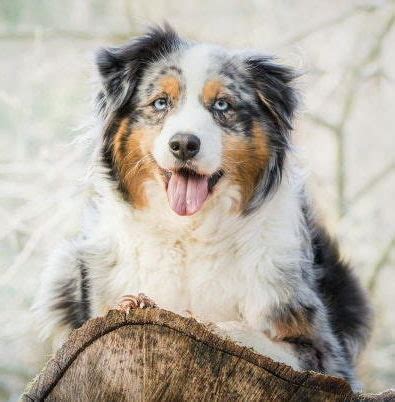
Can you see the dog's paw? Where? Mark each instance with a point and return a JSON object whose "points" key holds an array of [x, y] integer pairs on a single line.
{"points": [[130, 302]]}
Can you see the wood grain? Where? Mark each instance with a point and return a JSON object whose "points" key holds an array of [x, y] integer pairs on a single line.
{"points": [[153, 354]]}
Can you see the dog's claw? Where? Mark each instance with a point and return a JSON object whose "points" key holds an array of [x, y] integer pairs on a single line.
{"points": [[130, 302]]}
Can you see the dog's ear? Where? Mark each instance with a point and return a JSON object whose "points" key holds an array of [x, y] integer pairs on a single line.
{"points": [[277, 100], [274, 87], [121, 68]]}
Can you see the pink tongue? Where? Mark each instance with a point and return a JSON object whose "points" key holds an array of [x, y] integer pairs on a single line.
{"points": [[186, 195]]}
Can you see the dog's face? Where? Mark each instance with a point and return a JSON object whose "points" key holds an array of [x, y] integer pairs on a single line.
{"points": [[191, 116]]}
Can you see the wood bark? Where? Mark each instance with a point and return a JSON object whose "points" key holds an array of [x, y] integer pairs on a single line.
{"points": [[153, 354]]}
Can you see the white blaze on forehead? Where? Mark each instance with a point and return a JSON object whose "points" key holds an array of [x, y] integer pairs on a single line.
{"points": [[197, 65]]}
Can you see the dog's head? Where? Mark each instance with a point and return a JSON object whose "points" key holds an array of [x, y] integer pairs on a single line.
{"points": [[193, 116]]}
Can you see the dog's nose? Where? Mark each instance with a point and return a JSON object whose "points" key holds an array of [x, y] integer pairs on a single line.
{"points": [[184, 146]]}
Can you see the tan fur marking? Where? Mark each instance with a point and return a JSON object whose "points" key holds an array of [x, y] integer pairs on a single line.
{"points": [[171, 86], [244, 160], [291, 324], [119, 137], [135, 164], [211, 90]]}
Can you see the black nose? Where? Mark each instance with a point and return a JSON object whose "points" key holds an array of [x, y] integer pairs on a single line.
{"points": [[184, 146]]}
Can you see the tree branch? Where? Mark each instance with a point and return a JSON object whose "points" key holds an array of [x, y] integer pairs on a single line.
{"points": [[381, 263], [372, 183], [321, 122], [328, 24], [62, 34], [338, 128], [129, 13]]}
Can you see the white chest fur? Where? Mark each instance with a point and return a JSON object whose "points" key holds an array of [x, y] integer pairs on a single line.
{"points": [[217, 265]]}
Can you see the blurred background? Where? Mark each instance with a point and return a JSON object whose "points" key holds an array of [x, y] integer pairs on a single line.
{"points": [[345, 130]]}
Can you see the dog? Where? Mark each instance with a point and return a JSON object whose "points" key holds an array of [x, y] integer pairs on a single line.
{"points": [[198, 202]]}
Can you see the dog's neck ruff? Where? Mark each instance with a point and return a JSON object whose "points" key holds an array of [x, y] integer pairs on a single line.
{"points": [[211, 248]]}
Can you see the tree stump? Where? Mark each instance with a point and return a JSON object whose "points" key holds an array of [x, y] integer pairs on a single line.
{"points": [[153, 354]]}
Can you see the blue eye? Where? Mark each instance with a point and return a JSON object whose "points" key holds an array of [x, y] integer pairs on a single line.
{"points": [[160, 104], [221, 105]]}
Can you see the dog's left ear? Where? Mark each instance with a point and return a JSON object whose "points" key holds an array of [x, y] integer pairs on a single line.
{"points": [[277, 99], [274, 88]]}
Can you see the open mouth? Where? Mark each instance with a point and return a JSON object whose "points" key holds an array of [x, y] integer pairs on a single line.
{"points": [[187, 190]]}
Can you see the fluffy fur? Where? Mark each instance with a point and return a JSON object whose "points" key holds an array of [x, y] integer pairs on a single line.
{"points": [[251, 258]]}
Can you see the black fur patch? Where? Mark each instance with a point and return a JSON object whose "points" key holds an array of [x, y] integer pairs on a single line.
{"points": [[277, 102], [73, 299], [107, 147], [349, 310], [309, 355], [85, 301]]}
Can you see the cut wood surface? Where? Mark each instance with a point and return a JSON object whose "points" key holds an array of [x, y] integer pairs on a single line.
{"points": [[153, 354]]}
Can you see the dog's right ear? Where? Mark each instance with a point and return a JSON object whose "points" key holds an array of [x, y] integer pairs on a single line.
{"points": [[121, 68], [117, 85]]}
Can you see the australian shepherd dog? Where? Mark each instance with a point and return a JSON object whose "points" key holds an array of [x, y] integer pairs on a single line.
{"points": [[197, 204]]}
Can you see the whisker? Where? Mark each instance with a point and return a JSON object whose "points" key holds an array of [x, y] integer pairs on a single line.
{"points": [[137, 165]]}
